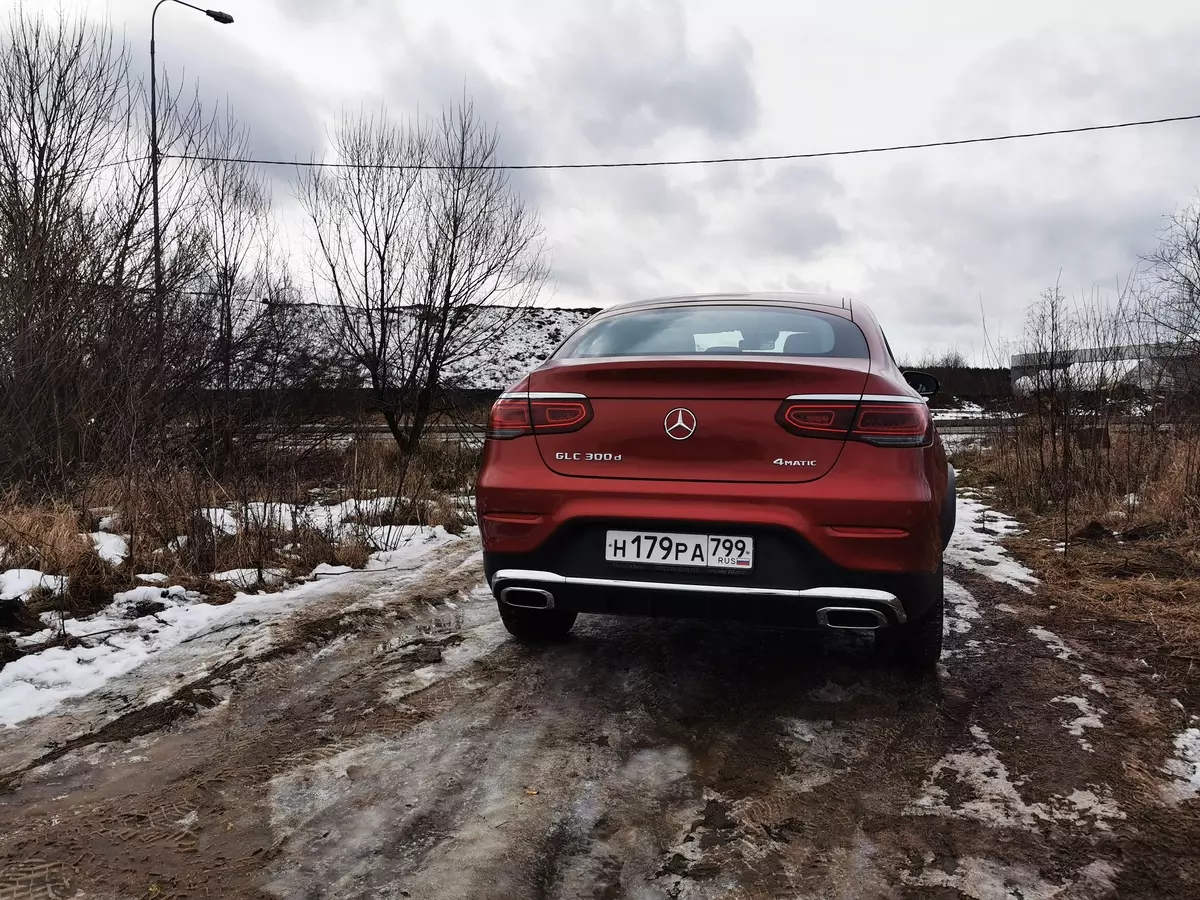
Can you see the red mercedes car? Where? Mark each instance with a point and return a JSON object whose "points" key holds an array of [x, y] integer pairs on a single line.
{"points": [[757, 457]]}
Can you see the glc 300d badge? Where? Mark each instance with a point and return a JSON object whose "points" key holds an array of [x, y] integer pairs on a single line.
{"points": [[680, 424]]}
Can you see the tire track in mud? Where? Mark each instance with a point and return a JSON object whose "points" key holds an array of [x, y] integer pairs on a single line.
{"points": [[657, 759], [429, 757]]}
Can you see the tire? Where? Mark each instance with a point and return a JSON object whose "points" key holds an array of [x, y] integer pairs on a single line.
{"points": [[916, 646], [536, 626]]}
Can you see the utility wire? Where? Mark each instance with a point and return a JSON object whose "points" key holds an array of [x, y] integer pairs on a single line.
{"points": [[646, 164]]}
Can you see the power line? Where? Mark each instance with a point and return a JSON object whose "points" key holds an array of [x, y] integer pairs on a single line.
{"points": [[646, 164], [85, 170]]}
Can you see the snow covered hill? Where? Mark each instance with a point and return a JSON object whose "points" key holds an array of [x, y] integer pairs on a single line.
{"points": [[530, 340]]}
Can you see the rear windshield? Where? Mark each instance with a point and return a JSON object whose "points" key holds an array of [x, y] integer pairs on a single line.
{"points": [[722, 330]]}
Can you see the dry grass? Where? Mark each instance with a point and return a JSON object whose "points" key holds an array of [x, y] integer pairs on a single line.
{"points": [[1131, 529], [50, 539], [160, 511], [45, 538], [1150, 583], [1032, 475]]}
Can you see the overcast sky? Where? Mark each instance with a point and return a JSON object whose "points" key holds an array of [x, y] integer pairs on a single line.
{"points": [[933, 239]]}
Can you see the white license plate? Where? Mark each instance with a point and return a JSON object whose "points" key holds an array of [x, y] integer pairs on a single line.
{"points": [[720, 551]]}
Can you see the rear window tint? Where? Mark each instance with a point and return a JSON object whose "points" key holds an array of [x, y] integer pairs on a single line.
{"points": [[719, 330]]}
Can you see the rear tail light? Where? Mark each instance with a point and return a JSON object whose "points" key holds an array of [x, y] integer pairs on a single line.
{"points": [[520, 414], [894, 424], [821, 420], [901, 424]]}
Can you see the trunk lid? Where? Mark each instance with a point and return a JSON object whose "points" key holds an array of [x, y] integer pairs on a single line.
{"points": [[693, 419]]}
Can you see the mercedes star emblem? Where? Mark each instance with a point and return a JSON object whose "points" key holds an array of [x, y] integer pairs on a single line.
{"points": [[680, 424]]}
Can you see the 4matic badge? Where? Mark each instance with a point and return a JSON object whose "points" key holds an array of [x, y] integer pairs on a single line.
{"points": [[804, 463]]}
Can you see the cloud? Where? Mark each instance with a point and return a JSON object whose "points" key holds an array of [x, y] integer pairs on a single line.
{"points": [[436, 72], [630, 75], [788, 214], [314, 11], [950, 238]]}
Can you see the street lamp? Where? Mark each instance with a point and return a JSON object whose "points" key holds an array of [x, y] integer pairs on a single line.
{"points": [[216, 15]]}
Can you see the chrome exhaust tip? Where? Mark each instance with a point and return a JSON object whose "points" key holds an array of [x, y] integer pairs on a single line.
{"points": [[851, 618], [527, 598]]}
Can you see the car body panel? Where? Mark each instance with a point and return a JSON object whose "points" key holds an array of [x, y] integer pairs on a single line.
{"points": [[860, 515]]}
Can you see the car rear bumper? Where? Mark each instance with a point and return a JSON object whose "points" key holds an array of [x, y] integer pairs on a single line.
{"points": [[858, 600]]}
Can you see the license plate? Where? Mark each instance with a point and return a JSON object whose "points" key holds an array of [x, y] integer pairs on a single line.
{"points": [[721, 551]]}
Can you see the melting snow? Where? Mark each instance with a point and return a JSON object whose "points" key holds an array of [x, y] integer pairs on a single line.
{"points": [[113, 645], [118, 639], [16, 584], [1053, 641], [976, 545], [1092, 683], [962, 611], [988, 879], [1087, 718], [112, 548], [1184, 768], [997, 802]]}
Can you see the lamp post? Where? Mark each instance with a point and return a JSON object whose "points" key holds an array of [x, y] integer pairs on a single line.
{"points": [[217, 16]]}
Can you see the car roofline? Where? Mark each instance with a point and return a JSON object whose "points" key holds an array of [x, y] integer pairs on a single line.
{"points": [[831, 302]]}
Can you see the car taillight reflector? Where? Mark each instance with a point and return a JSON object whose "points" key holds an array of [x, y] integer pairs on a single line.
{"points": [[819, 420], [893, 424], [560, 415], [509, 418], [516, 415], [898, 424]]}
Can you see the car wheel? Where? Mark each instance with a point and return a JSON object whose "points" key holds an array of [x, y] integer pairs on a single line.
{"points": [[536, 626], [916, 646]]}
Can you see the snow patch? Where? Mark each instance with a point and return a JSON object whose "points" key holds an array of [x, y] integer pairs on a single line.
{"points": [[1184, 768], [963, 609], [1087, 718], [112, 645], [966, 410], [1053, 641], [112, 548], [997, 802], [1092, 683], [221, 519], [975, 544], [989, 879], [17, 584]]}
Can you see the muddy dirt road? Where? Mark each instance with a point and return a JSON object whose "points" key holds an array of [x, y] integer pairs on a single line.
{"points": [[390, 741]]}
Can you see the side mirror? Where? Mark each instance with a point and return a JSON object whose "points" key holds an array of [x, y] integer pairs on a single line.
{"points": [[923, 383]]}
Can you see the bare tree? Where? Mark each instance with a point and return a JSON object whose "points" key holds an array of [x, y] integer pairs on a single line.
{"points": [[426, 251], [481, 257], [72, 243], [92, 363], [361, 216], [1170, 299], [250, 336]]}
